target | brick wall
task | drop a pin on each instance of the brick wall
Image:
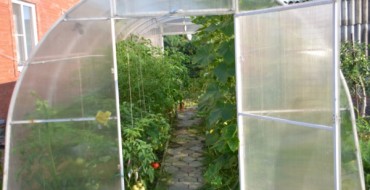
(47, 13)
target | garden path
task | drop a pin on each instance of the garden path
(184, 157)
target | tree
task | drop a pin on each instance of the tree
(356, 69)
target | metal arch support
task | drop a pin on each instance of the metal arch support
(354, 131)
(115, 67)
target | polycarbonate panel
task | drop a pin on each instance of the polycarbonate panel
(70, 155)
(180, 29)
(282, 156)
(307, 116)
(162, 7)
(156, 40)
(125, 27)
(135, 26)
(245, 5)
(71, 72)
(74, 38)
(147, 27)
(351, 170)
(90, 9)
(286, 61)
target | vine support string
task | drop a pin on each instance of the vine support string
(142, 82)
(129, 87)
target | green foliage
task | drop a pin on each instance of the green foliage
(151, 83)
(355, 66)
(66, 155)
(256, 4)
(142, 142)
(215, 55)
(180, 43)
(363, 126)
(156, 130)
(365, 151)
(138, 154)
(150, 78)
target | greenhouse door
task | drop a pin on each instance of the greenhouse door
(287, 79)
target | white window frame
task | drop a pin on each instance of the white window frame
(22, 4)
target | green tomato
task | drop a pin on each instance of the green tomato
(135, 187)
(80, 161)
(139, 184)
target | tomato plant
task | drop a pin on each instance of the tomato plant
(149, 77)
(151, 83)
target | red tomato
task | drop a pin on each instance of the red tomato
(155, 165)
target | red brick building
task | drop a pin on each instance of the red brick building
(22, 25)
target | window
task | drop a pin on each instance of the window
(24, 17)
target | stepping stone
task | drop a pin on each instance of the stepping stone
(188, 179)
(187, 169)
(195, 174)
(171, 169)
(195, 164)
(180, 155)
(197, 148)
(175, 151)
(180, 174)
(179, 187)
(196, 185)
(188, 159)
(179, 163)
(199, 159)
(196, 155)
(188, 151)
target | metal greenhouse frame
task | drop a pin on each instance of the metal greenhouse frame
(291, 97)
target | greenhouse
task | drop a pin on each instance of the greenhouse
(294, 108)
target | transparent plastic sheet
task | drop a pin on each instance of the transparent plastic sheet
(351, 179)
(162, 7)
(66, 155)
(90, 9)
(74, 38)
(147, 27)
(74, 77)
(247, 5)
(287, 63)
(289, 157)
(156, 40)
(63, 128)
(182, 29)
(285, 93)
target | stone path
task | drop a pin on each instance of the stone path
(184, 156)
